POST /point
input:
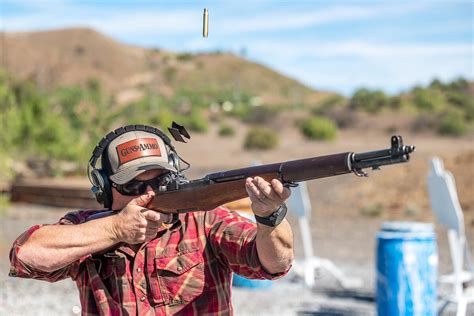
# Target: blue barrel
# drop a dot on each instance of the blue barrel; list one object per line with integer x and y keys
{"x": 240, "y": 281}
{"x": 407, "y": 267}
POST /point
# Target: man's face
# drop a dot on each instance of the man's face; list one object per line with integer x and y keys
{"x": 120, "y": 200}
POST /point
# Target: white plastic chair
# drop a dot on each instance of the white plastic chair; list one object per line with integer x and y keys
{"x": 445, "y": 205}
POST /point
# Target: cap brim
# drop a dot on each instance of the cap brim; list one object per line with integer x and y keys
{"x": 128, "y": 174}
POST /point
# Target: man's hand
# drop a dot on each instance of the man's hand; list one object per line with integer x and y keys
{"x": 136, "y": 224}
{"x": 266, "y": 197}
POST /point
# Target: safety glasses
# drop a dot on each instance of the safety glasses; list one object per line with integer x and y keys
{"x": 138, "y": 187}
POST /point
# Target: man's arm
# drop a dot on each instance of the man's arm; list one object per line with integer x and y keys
{"x": 275, "y": 247}
{"x": 274, "y": 244}
{"x": 53, "y": 247}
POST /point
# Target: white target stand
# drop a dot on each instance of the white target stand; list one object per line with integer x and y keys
{"x": 299, "y": 205}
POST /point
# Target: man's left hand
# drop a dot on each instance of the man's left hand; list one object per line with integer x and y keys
{"x": 266, "y": 197}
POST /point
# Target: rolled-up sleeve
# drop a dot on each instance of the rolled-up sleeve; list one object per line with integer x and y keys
{"x": 233, "y": 240}
{"x": 20, "y": 269}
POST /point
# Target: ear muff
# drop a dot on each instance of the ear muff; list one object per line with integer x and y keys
{"x": 173, "y": 159}
{"x": 101, "y": 187}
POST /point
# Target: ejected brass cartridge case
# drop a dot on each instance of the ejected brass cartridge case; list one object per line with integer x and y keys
{"x": 205, "y": 23}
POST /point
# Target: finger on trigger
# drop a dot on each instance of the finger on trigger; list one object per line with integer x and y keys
{"x": 151, "y": 215}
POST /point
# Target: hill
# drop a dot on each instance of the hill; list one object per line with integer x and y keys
{"x": 73, "y": 56}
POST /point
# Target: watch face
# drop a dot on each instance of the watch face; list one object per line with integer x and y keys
{"x": 280, "y": 215}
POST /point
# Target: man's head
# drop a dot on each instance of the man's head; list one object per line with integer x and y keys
{"x": 129, "y": 156}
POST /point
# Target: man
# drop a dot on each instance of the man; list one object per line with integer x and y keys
{"x": 140, "y": 261}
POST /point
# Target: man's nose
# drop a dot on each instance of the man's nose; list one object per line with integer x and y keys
{"x": 148, "y": 188}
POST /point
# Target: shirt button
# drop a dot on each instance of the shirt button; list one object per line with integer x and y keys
{"x": 180, "y": 268}
{"x": 142, "y": 298}
{"x": 139, "y": 270}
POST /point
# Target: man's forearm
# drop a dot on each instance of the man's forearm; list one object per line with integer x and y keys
{"x": 275, "y": 246}
{"x": 55, "y": 246}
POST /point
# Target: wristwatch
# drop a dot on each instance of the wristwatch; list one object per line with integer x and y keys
{"x": 275, "y": 218}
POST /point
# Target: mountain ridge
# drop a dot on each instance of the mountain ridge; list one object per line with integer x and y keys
{"x": 75, "y": 55}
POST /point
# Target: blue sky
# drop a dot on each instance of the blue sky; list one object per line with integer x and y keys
{"x": 331, "y": 45}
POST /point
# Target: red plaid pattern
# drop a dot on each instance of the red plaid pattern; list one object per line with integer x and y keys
{"x": 186, "y": 270}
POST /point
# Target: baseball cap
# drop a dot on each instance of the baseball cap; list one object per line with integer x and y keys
{"x": 135, "y": 152}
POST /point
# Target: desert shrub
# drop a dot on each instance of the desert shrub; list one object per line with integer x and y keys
{"x": 436, "y": 84}
{"x": 425, "y": 122}
{"x": 260, "y": 114}
{"x": 452, "y": 123}
{"x": 170, "y": 73}
{"x": 395, "y": 103}
{"x": 184, "y": 57}
{"x": 4, "y": 203}
{"x": 196, "y": 122}
{"x": 226, "y": 130}
{"x": 319, "y": 128}
{"x": 369, "y": 101}
{"x": 329, "y": 103}
{"x": 260, "y": 138}
{"x": 335, "y": 108}
{"x": 463, "y": 102}
{"x": 412, "y": 209}
{"x": 459, "y": 84}
{"x": 372, "y": 210}
{"x": 240, "y": 111}
{"x": 429, "y": 100}
{"x": 164, "y": 119}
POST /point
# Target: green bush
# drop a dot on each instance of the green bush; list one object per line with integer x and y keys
{"x": 196, "y": 122}
{"x": 329, "y": 103}
{"x": 429, "y": 100}
{"x": 463, "y": 102}
{"x": 369, "y": 101}
{"x": 319, "y": 128}
{"x": 452, "y": 124}
{"x": 412, "y": 209}
{"x": 260, "y": 114}
{"x": 184, "y": 57}
{"x": 4, "y": 203}
{"x": 226, "y": 130}
{"x": 372, "y": 210}
{"x": 260, "y": 138}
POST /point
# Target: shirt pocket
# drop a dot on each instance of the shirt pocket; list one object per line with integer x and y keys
{"x": 179, "y": 277}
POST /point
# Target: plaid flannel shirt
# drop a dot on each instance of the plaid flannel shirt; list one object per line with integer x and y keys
{"x": 186, "y": 270}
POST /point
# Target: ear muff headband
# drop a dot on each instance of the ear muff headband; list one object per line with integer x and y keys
{"x": 99, "y": 179}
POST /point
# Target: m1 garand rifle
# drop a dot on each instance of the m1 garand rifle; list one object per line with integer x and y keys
{"x": 180, "y": 195}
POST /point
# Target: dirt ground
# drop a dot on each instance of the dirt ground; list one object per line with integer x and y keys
{"x": 343, "y": 230}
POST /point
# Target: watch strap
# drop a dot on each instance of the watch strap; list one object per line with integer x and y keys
{"x": 275, "y": 218}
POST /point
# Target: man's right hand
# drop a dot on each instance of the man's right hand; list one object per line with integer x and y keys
{"x": 136, "y": 224}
